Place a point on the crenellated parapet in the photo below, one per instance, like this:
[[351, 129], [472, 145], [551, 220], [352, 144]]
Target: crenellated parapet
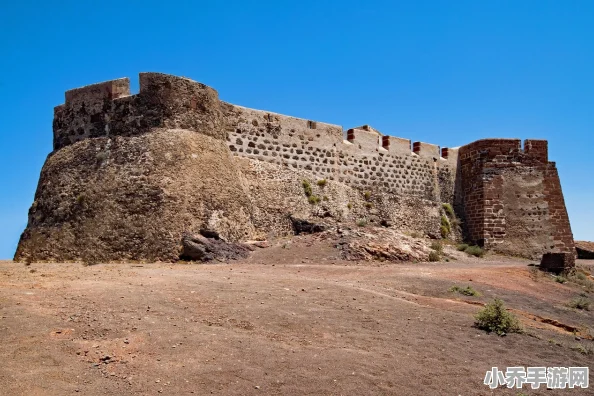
[[164, 101]]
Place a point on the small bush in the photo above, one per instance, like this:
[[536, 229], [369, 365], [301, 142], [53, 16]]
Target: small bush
[[325, 198], [368, 205], [314, 199], [445, 228], [580, 303], [80, 199], [102, 156], [447, 208], [437, 246], [466, 291], [307, 188], [495, 318], [434, 256], [321, 182], [476, 251], [367, 195], [534, 273], [581, 279], [350, 205], [580, 276], [361, 222], [462, 247], [560, 279], [584, 350]]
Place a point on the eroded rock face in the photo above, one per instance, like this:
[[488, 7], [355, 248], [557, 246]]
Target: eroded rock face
[[131, 198]]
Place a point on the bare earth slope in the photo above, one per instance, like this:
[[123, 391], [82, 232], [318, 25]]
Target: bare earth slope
[[292, 319]]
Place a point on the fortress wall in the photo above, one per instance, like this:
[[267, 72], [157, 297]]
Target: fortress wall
[[359, 162], [508, 197], [426, 150], [294, 143], [366, 160], [512, 198]]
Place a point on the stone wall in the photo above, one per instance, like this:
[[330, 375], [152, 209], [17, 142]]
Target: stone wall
[[511, 197], [366, 160]]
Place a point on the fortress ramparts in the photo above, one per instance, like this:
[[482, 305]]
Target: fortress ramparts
[[508, 198]]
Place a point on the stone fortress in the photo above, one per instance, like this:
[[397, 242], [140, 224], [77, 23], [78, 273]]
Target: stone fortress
[[129, 174]]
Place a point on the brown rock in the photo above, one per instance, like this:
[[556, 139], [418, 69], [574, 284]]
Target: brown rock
[[585, 250]]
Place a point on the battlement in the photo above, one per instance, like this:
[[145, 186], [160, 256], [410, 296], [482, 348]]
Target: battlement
[[164, 101], [502, 150], [99, 92]]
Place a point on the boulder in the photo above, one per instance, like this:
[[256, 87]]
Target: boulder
[[200, 248]]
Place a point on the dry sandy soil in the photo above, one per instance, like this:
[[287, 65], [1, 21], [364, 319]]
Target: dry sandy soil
[[292, 319]]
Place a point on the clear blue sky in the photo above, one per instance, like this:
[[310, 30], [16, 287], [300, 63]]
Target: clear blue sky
[[444, 72]]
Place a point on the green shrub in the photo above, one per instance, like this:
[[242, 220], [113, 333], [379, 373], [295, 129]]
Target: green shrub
[[314, 199], [475, 251], [445, 228], [368, 205], [325, 198], [322, 182], [434, 256], [307, 188], [583, 349], [437, 246], [367, 195], [495, 318], [467, 291], [462, 247], [581, 279], [580, 303], [560, 279], [350, 205], [448, 210], [580, 276], [361, 222]]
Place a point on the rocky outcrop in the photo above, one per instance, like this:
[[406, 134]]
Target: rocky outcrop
[[303, 226], [584, 250], [382, 245]]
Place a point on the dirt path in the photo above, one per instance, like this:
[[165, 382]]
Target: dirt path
[[309, 324]]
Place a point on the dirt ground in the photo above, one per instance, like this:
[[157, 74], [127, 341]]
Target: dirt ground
[[292, 319]]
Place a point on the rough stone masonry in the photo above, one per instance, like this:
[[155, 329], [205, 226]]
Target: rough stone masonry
[[131, 174]]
